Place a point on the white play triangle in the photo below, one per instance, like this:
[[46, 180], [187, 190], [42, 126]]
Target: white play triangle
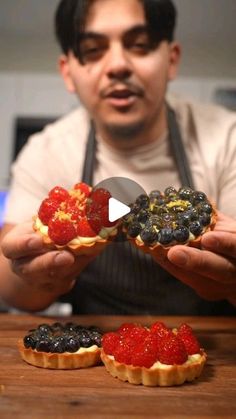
[[116, 209]]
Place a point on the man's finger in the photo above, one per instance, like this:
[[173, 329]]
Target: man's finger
[[203, 262]]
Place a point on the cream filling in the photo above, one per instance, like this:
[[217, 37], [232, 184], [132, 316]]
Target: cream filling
[[158, 365], [92, 348], [104, 233]]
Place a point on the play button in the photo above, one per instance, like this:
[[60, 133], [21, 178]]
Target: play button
[[116, 209]]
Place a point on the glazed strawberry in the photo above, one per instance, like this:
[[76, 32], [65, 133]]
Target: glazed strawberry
[[110, 342], [95, 222], [151, 343], [47, 210], [125, 329], [123, 353], [84, 228], [100, 196], [58, 194], [136, 336], [104, 214], [185, 328], [61, 231], [160, 330], [172, 351], [143, 357], [83, 187], [190, 342]]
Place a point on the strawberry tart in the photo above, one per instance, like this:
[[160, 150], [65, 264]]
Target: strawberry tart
[[76, 219], [155, 356]]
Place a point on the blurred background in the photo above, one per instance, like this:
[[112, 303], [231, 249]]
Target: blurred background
[[32, 92]]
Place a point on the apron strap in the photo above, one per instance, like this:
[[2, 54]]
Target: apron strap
[[90, 157], [176, 144], [178, 150]]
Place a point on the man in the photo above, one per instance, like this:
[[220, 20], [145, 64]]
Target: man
[[118, 57]]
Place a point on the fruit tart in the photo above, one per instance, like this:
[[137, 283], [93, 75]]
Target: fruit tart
[[76, 219], [160, 220], [155, 356], [59, 346]]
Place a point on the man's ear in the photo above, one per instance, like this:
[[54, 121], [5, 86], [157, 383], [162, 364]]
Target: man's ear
[[174, 59], [65, 71]]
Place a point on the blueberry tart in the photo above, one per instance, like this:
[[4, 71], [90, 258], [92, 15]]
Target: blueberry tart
[[61, 346], [160, 220], [155, 356]]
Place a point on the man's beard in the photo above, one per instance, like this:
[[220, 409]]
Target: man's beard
[[124, 133]]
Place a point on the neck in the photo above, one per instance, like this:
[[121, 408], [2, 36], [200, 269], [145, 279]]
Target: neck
[[128, 138]]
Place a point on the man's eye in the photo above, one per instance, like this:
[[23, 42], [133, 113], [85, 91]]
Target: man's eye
[[142, 47], [91, 53]]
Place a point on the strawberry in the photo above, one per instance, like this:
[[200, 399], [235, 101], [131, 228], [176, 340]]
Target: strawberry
[[190, 342], [136, 336], [83, 187], [84, 228], [47, 210], [104, 214], [101, 196], [61, 231], [160, 330], [110, 342], [125, 329], [143, 356], [58, 194], [95, 222], [172, 351], [185, 328], [123, 353]]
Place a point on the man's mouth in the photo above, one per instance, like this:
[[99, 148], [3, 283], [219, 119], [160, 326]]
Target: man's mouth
[[121, 97]]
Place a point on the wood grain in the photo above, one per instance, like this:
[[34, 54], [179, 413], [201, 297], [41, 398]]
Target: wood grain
[[30, 392]]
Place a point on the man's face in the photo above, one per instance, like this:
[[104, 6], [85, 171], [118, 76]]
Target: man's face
[[122, 81]]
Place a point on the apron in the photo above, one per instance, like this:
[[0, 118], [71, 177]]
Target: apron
[[123, 279]]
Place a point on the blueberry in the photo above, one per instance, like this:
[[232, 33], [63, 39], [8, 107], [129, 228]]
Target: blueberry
[[170, 191], [149, 235], [143, 216], [44, 329], [185, 193], [72, 344], [205, 207], [29, 341], [96, 338], [181, 234], [134, 229], [44, 345], [205, 219], [165, 236], [155, 194], [195, 228], [142, 201], [57, 345], [198, 197]]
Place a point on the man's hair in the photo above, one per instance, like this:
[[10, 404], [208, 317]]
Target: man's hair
[[70, 19]]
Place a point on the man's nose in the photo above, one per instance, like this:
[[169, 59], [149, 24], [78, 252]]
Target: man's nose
[[118, 63]]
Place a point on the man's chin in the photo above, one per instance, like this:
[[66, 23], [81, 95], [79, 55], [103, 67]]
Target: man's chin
[[124, 131]]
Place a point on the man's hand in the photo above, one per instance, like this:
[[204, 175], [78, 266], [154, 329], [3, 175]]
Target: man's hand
[[211, 270], [41, 270]]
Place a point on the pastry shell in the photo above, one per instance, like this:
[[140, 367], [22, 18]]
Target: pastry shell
[[66, 360], [169, 375]]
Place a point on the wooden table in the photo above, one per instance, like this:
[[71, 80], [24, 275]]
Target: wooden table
[[30, 392]]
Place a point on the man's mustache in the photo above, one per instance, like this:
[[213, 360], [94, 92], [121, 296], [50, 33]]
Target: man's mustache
[[118, 86]]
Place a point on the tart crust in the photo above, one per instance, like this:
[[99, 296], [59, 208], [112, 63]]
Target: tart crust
[[169, 375], [66, 360], [87, 249]]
